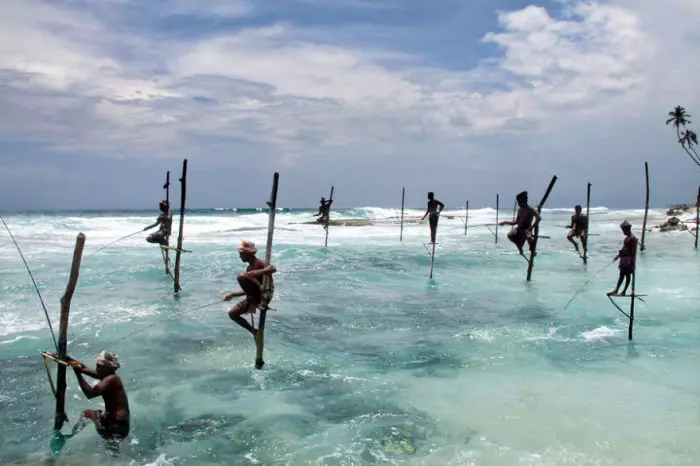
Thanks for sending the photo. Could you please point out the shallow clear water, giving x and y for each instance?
(368, 361)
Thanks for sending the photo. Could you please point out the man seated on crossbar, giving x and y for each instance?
(524, 226)
(251, 287)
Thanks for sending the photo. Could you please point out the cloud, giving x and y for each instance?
(87, 82)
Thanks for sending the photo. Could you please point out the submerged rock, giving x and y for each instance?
(201, 426)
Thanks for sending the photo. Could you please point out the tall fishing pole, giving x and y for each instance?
(115, 241)
(53, 335)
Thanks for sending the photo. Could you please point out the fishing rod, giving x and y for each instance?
(115, 241)
(585, 284)
(165, 320)
(53, 335)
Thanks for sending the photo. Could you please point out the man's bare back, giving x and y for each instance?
(114, 422)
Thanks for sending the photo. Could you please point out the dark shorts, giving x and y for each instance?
(626, 269)
(245, 306)
(577, 233)
(159, 237)
(518, 236)
(110, 428)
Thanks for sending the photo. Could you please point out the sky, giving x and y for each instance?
(466, 98)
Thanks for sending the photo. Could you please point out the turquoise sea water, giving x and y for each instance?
(368, 361)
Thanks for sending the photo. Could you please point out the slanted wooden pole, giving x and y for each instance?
(697, 217)
(466, 218)
(588, 221)
(403, 197)
(531, 262)
(260, 336)
(515, 209)
(183, 196)
(329, 216)
(432, 259)
(496, 234)
(61, 417)
(646, 206)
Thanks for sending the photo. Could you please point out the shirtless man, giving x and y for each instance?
(523, 224)
(628, 258)
(113, 423)
(578, 226)
(251, 287)
(324, 210)
(165, 220)
(434, 209)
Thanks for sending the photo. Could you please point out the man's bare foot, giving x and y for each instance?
(612, 293)
(624, 293)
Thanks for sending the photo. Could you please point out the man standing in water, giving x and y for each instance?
(434, 209)
(113, 423)
(165, 220)
(523, 224)
(579, 224)
(251, 287)
(324, 210)
(628, 258)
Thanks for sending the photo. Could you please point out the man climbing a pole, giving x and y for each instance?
(434, 209)
(113, 423)
(165, 220)
(579, 223)
(250, 283)
(628, 258)
(324, 210)
(524, 226)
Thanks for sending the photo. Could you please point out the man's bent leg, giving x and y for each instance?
(244, 307)
(570, 237)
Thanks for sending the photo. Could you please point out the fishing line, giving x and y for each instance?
(116, 241)
(165, 320)
(585, 284)
(53, 335)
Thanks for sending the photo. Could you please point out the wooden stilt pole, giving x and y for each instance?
(466, 218)
(515, 209)
(697, 218)
(166, 186)
(646, 206)
(632, 300)
(432, 259)
(496, 234)
(329, 217)
(183, 196)
(260, 336)
(588, 221)
(531, 262)
(61, 417)
(403, 196)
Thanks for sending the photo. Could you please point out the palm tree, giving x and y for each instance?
(679, 117)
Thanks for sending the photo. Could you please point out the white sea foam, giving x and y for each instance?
(600, 333)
